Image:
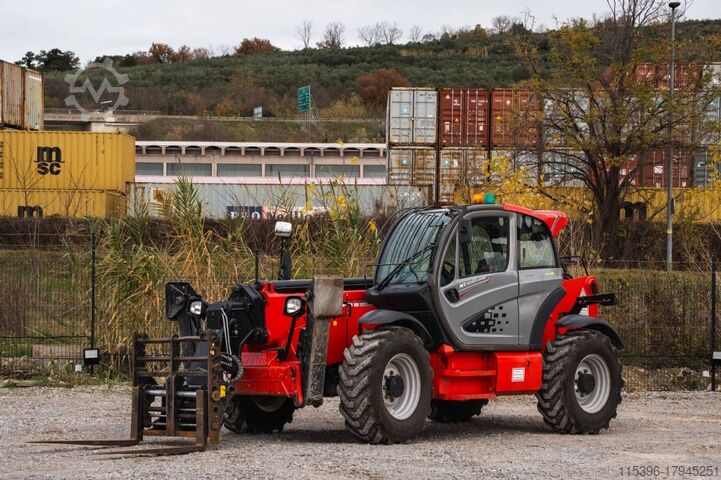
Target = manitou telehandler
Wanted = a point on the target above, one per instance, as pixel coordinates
(467, 304)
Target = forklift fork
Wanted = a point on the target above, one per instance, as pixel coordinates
(193, 397)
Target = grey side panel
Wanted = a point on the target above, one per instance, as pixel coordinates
(539, 323)
(574, 322)
(534, 286)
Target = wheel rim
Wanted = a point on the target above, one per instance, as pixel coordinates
(269, 404)
(401, 386)
(592, 383)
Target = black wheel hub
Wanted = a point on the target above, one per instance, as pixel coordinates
(586, 383)
(394, 386)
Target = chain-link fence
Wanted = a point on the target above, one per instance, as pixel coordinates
(664, 319)
(50, 295)
(45, 302)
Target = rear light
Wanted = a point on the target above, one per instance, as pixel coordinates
(594, 287)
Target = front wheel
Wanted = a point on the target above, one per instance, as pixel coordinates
(385, 386)
(581, 383)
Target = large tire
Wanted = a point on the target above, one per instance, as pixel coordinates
(258, 414)
(455, 411)
(386, 386)
(582, 383)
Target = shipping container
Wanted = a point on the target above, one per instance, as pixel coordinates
(412, 166)
(466, 166)
(262, 201)
(464, 117)
(21, 97)
(412, 116)
(651, 169)
(705, 168)
(66, 160)
(688, 75)
(34, 100)
(64, 203)
(13, 95)
(515, 117)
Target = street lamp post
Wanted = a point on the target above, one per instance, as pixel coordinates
(669, 162)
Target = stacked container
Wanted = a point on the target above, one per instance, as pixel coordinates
(21, 97)
(412, 134)
(650, 169)
(515, 115)
(65, 173)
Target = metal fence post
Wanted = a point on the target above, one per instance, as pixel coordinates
(714, 268)
(93, 285)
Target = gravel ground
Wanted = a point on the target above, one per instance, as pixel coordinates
(507, 441)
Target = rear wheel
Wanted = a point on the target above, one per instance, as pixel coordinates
(385, 386)
(258, 414)
(581, 383)
(455, 411)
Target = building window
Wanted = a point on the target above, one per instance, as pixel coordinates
(190, 169)
(148, 168)
(272, 170)
(374, 171)
(337, 170)
(239, 170)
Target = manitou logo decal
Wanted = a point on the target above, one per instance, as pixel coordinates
(49, 160)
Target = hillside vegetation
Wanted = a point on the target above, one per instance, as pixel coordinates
(232, 85)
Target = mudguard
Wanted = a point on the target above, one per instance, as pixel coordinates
(401, 319)
(576, 322)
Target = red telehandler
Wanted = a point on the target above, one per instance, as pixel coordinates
(467, 303)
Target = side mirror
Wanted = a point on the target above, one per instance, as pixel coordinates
(283, 229)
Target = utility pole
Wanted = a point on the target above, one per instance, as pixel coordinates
(669, 162)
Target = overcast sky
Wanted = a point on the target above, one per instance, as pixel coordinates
(95, 27)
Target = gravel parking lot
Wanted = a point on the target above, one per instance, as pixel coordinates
(507, 441)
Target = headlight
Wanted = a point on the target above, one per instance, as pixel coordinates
(293, 305)
(197, 308)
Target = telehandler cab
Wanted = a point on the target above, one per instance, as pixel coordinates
(468, 303)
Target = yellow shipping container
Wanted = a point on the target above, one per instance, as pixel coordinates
(45, 160)
(65, 203)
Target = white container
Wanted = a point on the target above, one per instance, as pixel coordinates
(412, 116)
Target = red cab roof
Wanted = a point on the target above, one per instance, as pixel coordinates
(554, 219)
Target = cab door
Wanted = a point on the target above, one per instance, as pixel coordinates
(477, 292)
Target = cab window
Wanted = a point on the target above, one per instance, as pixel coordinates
(486, 247)
(536, 248)
(448, 269)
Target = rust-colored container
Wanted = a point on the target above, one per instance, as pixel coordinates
(515, 115)
(652, 171)
(688, 75)
(464, 117)
(55, 160)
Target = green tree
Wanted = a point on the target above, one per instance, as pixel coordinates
(56, 59)
(28, 60)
